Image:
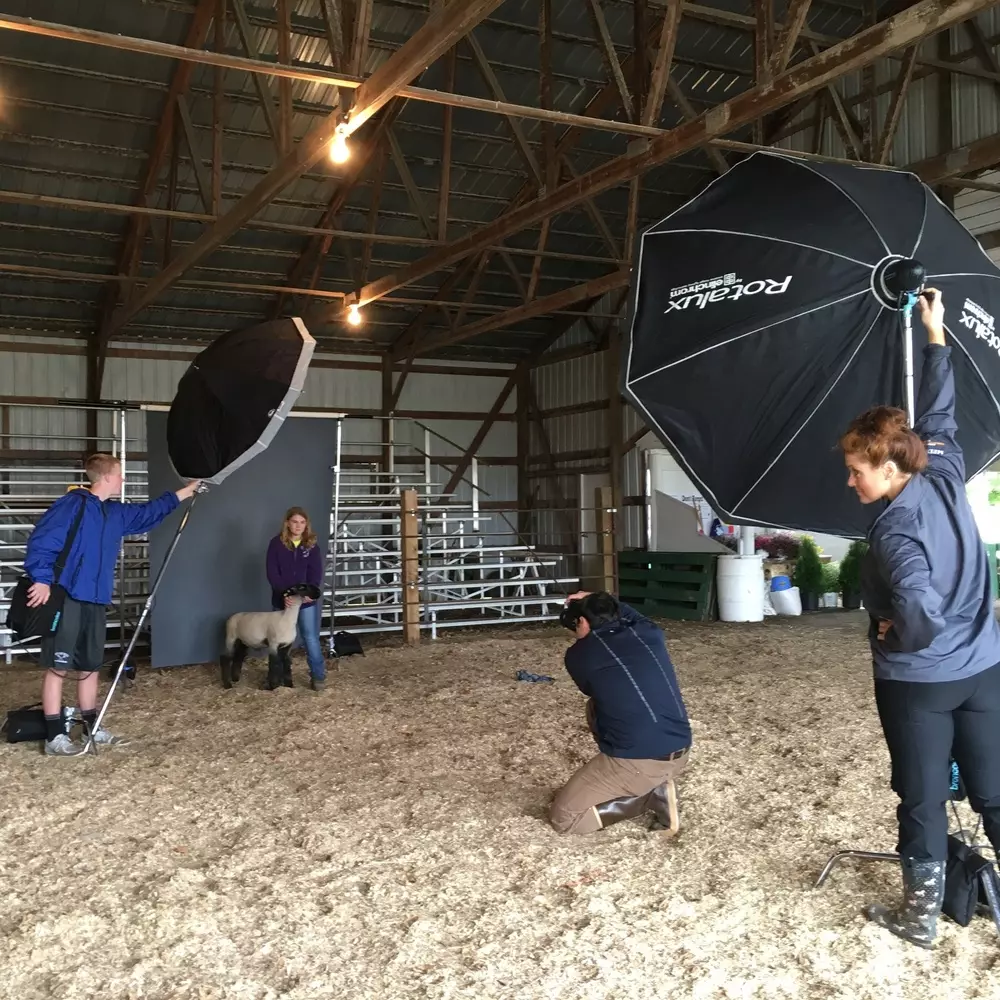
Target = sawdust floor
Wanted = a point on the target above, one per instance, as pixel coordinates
(387, 837)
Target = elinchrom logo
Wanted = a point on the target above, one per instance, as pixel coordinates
(981, 323)
(726, 286)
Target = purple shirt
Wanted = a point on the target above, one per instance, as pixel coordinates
(286, 567)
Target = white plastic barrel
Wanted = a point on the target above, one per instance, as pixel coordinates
(740, 582)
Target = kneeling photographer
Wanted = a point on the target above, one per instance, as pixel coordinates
(635, 711)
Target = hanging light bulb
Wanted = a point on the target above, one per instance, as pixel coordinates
(340, 152)
(354, 314)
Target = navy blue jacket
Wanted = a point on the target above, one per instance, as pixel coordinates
(927, 569)
(89, 573)
(625, 668)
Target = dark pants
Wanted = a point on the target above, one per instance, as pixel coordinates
(927, 724)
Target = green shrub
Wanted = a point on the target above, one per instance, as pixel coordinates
(831, 578)
(850, 568)
(808, 575)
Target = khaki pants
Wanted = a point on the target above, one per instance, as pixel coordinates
(602, 779)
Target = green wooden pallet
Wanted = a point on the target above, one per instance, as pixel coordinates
(678, 585)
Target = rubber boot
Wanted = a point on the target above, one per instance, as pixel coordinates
(915, 919)
(663, 802)
(626, 807)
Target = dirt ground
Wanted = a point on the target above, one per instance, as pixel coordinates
(386, 838)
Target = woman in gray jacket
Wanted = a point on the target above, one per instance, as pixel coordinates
(934, 636)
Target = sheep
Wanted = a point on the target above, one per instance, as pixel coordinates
(272, 629)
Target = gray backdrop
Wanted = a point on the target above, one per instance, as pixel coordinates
(219, 565)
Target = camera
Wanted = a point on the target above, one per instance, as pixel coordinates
(571, 614)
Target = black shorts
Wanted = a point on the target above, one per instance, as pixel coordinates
(79, 640)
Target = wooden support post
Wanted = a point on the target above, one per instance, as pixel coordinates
(615, 419)
(523, 451)
(4, 443)
(605, 520)
(410, 559)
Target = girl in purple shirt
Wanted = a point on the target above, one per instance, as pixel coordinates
(294, 557)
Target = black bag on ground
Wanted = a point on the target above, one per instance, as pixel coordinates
(963, 888)
(346, 644)
(25, 725)
(30, 623)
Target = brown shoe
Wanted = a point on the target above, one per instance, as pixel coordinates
(663, 802)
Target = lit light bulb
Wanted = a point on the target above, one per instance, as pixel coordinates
(340, 152)
(354, 314)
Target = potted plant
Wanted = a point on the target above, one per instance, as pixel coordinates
(850, 575)
(831, 584)
(808, 575)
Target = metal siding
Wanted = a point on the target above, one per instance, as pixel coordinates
(473, 393)
(60, 375)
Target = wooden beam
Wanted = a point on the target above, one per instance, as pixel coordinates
(762, 38)
(982, 49)
(482, 64)
(596, 215)
(284, 84)
(905, 29)
(715, 156)
(260, 83)
(218, 108)
(168, 228)
(362, 28)
(424, 46)
(896, 107)
(945, 115)
(969, 159)
(202, 179)
(539, 307)
(611, 63)
(333, 24)
(444, 195)
(663, 62)
(135, 232)
(640, 58)
(616, 417)
(795, 19)
(373, 210)
(466, 460)
(413, 194)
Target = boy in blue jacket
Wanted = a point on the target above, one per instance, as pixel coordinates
(88, 578)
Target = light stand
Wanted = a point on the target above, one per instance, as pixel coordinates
(901, 282)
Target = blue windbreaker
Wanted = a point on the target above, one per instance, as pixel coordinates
(89, 573)
(927, 571)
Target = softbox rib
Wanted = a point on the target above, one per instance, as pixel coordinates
(748, 333)
(865, 215)
(770, 239)
(826, 395)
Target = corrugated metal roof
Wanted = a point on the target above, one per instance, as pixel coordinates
(78, 122)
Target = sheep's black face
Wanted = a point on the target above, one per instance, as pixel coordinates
(303, 590)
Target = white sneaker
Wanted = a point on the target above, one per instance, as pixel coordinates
(105, 739)
(62, 746)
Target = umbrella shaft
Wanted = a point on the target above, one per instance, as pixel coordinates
(908, 361)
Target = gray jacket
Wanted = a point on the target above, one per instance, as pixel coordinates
(927, 569)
